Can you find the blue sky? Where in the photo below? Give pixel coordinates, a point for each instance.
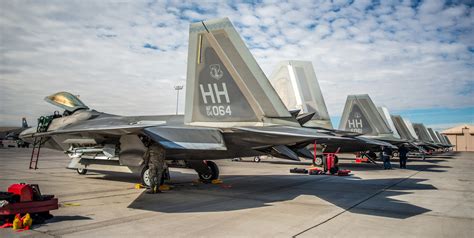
(125, 57)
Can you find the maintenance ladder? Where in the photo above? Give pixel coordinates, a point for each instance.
(43, 124)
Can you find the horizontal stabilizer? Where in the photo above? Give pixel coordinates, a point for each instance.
(294, 113)
(284, 152)
(305, 153)
(302, 119)
(188, 138)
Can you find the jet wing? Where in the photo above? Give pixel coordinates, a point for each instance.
(106, 125)
(287, 135)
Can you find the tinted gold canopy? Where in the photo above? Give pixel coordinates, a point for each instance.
(66, 101)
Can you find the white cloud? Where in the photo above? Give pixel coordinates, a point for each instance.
(404, 57)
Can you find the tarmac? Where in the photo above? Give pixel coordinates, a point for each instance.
(432, 198)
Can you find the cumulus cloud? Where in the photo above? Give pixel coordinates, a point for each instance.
(125, 57)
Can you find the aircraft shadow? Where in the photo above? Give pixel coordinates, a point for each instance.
(376, 196)
(429, 165)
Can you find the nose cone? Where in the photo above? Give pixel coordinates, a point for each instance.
(26, 135)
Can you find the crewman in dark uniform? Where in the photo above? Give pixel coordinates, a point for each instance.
(402, 153)
(156, 164)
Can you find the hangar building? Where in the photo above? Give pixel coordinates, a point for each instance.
(462, 137)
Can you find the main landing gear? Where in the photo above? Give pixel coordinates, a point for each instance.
(207, 170)
(145, 176)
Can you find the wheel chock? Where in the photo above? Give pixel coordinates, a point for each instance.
(139, 186)
(70, 204)
(165, 187)
(216, 181)
(298, 171)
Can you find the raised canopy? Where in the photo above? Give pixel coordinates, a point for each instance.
(66, 101)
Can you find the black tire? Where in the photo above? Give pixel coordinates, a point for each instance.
(145, 176)
(319, 160)
(81, 171)
(257, 159)
(214, 172)
(395, 154)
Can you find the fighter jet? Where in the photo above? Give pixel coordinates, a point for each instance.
(436, 138)
(399, 131)
(360, 115)
(297, 85)
(10, 136)
(231, 110)
(424, 135)
(403, 127)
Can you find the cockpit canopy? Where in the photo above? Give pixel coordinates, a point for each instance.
(66, 101)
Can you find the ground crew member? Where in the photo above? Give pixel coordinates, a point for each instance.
(402, 153)
(156, 164)
(386, 152)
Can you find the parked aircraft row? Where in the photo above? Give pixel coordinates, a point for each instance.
(231, 110)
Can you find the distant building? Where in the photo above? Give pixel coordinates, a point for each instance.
(462, 137)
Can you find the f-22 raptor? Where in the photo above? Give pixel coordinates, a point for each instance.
(231, 110)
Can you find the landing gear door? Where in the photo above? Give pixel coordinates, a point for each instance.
(132, 150)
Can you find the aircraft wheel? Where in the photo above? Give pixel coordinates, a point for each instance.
(319, 160)
(145, 176)
(256, 159)
(213, 174)
(81, 171)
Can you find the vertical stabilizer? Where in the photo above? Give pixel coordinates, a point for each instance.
(225, 85)
(441, 138)
(388, 120)
(409, 125)
(401, 128)
(296, 84)
(433, 135)
(24, 123)
(422, 132)
(360, 115)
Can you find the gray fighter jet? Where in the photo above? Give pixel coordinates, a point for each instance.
(437, 138)
(9, 136)
(399, 130)
(425, 136)
(296, 83)
(360, 115)
(405, 129)
(231, 111)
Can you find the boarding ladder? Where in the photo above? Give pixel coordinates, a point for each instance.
(371, 160)
(43, 124)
